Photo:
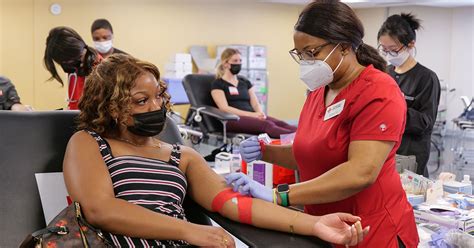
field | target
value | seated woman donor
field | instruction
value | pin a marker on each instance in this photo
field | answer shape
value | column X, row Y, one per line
column 236, row 95
column 132, row 185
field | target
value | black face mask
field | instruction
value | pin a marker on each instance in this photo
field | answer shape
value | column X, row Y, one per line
column 71, row 67
column 148, row 123
column 235, row 68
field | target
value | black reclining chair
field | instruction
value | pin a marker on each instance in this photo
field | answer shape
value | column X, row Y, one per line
column 212, row 119
column 35, row 142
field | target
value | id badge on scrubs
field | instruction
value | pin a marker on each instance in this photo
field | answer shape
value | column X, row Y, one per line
column 233, row 91
column 334, row 110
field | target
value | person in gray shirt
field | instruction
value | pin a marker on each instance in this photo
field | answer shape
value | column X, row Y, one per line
column 9, row 99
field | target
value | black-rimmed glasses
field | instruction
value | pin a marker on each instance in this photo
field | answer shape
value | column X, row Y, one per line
column 308, row 56
column 384, row 52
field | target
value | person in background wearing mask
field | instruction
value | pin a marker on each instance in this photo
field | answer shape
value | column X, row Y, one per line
column 236, row 95
column 67, row 48
column 350, row 127
column 9, row 99
column 103, row 36
column 420, row 85
column 132, row 185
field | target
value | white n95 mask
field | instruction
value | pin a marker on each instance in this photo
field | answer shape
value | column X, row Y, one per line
column 319, row 73
column 399, row 59
column 103, row 46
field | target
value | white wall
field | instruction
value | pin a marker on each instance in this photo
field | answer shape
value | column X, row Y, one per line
column 444, row 44
column 372, row 19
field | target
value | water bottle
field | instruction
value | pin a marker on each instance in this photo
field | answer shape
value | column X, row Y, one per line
column 236, row 159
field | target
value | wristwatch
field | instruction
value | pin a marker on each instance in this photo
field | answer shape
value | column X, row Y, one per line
column 283, row 190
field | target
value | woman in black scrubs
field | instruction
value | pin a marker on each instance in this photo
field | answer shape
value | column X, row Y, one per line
column 421, row 87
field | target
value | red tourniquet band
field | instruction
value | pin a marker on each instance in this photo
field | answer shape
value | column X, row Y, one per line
column 244, row 204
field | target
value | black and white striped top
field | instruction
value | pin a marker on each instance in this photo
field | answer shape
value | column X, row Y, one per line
column 151, row 183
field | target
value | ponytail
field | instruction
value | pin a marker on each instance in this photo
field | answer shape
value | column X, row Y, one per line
column 90, row 60
column 367, row 55
column 220, row 70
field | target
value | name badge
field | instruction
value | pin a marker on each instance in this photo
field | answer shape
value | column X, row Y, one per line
column 409, row 98
column 233, row 91
column 334, row 110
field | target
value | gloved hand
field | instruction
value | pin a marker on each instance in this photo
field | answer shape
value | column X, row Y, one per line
column 250, row 149
column 246, row 186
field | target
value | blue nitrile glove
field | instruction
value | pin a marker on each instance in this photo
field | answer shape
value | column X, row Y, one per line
column 250, row 149
column 246, row 186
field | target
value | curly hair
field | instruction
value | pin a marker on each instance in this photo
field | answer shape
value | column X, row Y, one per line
column 107, row 93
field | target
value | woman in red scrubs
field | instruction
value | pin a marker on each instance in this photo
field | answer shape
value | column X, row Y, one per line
column 67, row 48
column 349, row 129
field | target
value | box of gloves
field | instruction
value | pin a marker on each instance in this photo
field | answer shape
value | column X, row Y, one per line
column 261, row 172
column 446, row 216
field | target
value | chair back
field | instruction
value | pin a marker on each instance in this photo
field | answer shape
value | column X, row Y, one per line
column 198, row 89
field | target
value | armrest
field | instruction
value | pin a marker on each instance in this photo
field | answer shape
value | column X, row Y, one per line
column 216, row 113
column 257, row 237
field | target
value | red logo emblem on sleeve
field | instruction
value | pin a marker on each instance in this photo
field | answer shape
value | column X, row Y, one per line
column 383, row 127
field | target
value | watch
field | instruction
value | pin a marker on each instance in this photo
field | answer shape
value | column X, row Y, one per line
column 283, row 190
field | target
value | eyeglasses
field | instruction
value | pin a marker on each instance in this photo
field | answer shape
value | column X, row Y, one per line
column 384, row 52
column 307, row 56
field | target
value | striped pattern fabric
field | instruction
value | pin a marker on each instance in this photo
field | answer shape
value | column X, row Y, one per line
column 153, row 184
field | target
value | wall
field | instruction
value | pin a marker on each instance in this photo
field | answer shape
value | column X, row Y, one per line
column 16, row 41
column 151, row 30
column 372, row 19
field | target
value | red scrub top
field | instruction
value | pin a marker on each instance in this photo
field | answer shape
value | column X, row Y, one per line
column 76, row 86
column 374, row 109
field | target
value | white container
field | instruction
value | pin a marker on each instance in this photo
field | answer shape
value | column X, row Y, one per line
column 181, row 57
column 223, row 163
column 179, row 66
column 176, row 74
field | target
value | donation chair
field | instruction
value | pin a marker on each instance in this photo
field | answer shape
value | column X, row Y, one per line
column 204, row 111
column 35, row 142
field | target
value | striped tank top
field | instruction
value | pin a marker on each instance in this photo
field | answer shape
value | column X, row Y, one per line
column 151, row 183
